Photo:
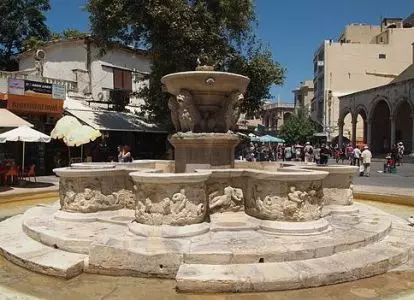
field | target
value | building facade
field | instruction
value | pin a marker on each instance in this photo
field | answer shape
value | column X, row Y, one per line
column 364, row 57
column 275, row 115
column 303, row 96
column 385, row 113
column 94, row 74
column 72, row 77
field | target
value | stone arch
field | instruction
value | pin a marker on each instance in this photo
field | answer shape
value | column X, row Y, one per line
column 404, row 122
column 343, row 113
column 347, row 124
column 374, row 103
column 381, row 126
column 361, row 117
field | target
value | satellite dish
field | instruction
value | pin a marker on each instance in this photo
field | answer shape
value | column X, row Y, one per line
column 40, row 54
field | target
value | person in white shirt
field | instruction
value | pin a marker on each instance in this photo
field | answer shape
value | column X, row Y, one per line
column 356, row 155
column 366, row 161
column 308, row 152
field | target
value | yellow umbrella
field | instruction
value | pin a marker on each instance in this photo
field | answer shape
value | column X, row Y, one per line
column 81, row 135
column 64, row 126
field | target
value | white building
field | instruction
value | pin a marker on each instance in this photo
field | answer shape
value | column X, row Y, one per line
column 93, row 75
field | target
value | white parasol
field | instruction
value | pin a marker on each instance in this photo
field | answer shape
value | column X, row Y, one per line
column 24, row 134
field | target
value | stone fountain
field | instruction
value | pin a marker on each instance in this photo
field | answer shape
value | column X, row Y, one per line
column 212, row 223
column 205, row 107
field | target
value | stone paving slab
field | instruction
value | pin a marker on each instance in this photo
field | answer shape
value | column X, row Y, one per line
column 17, row 247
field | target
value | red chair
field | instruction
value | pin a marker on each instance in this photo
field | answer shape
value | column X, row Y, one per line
column 30, row 173
column 12, row 173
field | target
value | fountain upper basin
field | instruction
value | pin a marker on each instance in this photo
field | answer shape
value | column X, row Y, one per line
column 205, row 81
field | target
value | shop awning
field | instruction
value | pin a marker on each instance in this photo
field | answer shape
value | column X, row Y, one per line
column 113, row 121
column 9, row 119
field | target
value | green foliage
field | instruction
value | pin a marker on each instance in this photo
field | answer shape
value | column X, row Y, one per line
column 176, row 32
column 71, row 33
column 20, row 20
column 298, row 129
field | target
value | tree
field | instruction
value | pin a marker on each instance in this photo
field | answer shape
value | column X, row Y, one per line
column 72, row 33
column 176, row 31
column 20, row 20
column 298, row 129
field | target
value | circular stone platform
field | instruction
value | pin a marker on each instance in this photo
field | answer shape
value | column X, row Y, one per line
column 232, row 253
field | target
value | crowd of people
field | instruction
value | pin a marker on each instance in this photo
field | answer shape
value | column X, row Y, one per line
column 360, row 156
column 286, row 152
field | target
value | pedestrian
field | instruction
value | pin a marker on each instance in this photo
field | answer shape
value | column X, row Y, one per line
column 121, row 153
column 366, row 161
column 356, row 157
column 324, row 153
column 288, row 153
column 401, row 150
column 317, row 154
column 127, row 157
column 308, row 152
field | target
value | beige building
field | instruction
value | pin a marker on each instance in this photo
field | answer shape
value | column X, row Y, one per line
column 364, row 57
column 385, row 114
column 303, row 96
column 275, row 115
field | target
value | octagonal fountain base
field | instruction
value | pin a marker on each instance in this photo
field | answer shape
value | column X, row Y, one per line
column 232, row 253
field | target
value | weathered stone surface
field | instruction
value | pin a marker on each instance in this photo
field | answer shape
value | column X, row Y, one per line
column 170, row 199
column 20, row 249
column 285, row 201
column 205, row 101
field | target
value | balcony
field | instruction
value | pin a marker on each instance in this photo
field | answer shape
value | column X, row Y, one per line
column 277, row 105
column 71, row 86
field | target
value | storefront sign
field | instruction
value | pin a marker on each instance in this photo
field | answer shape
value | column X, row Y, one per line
column 34, row 104
column 16, row 86
column 39, row 89
column 59, row 92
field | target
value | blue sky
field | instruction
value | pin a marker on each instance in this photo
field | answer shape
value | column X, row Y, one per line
column 292, row 29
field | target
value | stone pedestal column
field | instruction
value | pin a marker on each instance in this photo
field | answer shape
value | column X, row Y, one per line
column 412, row 136
column 392, row 141
column 354, row 125
column 369, row 132
column 203, row 151
column 341, row 133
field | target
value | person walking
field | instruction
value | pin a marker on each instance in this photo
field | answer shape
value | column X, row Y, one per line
column 324, row 155
column 356, row 157
column 308, row 153
column 366, row 161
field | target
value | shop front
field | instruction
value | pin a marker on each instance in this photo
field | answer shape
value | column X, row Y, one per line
column 40, row 104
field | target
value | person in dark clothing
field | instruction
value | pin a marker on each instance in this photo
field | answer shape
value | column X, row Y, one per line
column 324, row 155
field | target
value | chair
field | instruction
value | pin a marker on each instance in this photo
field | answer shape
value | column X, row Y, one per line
column 12, row 172
column 30, row 173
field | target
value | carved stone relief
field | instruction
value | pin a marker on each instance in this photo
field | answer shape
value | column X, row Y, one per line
column 92, row 194
column 186, row 116
column 227, row 199
column 170, row 204
column 301, row 202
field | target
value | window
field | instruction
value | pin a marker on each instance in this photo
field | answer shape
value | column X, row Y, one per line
column 382, row 56
column 122, row 79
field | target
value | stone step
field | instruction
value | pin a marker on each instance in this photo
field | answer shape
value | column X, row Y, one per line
column 350, row 265
column 20, row 249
